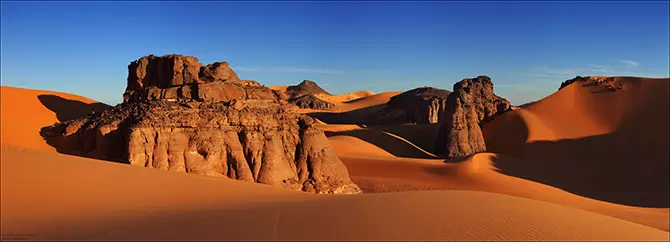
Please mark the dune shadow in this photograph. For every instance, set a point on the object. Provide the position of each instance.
(597, 167)
(67, 109)
(358, 116)
(630, 166)
(421, 135)
(389, 143)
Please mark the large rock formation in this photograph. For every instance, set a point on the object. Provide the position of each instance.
(178, 77)
(243, 132)
(420, 105)
(471, 104)
(304, 95)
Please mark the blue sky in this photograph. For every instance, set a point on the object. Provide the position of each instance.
(527, 48)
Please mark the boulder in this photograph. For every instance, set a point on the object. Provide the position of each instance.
(470, 105)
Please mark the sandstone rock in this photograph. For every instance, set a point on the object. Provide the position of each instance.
(265, 144)
(470, 105)
(222, 128)
(178, 77)
(218, 71)
(420, 105)
(310, 101)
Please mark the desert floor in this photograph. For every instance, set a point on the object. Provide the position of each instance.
(580, 164)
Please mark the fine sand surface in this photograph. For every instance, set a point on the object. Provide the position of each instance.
(53, 196)
(488, 196)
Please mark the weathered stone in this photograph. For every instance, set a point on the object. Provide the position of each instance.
(471, 104)
(217, 92)
(223, 128)
(305, 87)
(310, 101)
(218, 71)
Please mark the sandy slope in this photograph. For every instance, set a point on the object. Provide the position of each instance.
(26, 111)
(614, 145)
(76, 198)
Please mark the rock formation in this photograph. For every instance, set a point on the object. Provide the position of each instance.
(607, 84)
(225, 128)
(304, 95)
(471, 104)
(310, 101)
(305, 87)
(178, 77)
(420, 105)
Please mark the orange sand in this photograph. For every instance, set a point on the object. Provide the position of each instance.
(24, 112)
(52, 196)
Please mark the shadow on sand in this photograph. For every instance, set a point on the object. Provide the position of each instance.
(67, 109)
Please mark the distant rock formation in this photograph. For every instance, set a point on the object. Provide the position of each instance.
(305, 87)
(304, 95)
(230, 128)
(607, 84)
(471, 104)
(420, 105)
(310, 101)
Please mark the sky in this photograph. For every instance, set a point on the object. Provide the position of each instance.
(527, 48)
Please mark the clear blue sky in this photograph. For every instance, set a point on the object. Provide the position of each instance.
(528, 48)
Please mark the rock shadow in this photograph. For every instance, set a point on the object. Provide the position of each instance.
(67, 109)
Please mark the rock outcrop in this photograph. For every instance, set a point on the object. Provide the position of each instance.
(178, 77)
(305, 87)
(304, 95)
(310, 101)
(421, 105)
(607, 84)
(470, 105)
(235, 129)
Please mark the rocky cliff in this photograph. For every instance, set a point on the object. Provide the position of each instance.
(231, 128)
(420, 105)
(471, 104)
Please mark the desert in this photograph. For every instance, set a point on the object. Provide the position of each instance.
(197, 147)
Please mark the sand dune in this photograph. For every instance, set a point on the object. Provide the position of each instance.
(345, 97)
(140, 203)
(26, 111)
(614, 145)
(359, 111)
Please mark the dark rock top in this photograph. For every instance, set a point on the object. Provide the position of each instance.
(606, 84)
